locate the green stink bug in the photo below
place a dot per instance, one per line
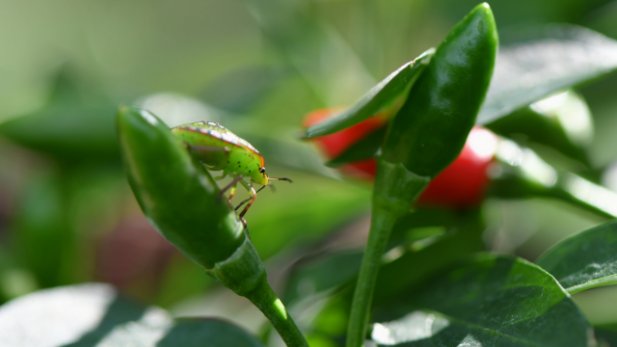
(221, 150)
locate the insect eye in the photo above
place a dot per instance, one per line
(262, 170)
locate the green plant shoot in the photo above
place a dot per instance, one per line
(219, 149)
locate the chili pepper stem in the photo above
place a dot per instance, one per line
(396, 189)
(381, 227)
(272, 307)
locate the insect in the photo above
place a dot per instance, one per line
(221, 150)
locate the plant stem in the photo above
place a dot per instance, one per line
(272, 307)
(395, 190)
(381, 226)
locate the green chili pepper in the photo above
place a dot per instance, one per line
(432, 126)
(426, 134)
(185, 204)
(181, 199)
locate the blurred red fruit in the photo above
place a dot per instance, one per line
(463, 183)
(334, 144)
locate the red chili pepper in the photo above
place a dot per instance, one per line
(462, 184)
(334, 144)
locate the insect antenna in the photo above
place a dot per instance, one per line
(286, 179)
(272, 187)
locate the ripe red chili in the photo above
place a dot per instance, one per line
(463, 183)
(334, 144)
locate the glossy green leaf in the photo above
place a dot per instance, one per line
(195, 332)
(521, 173)
(561, 122)
(586, 260)
(379, 97)
(488, 301)
(606, 336)
(94, 315)
(76, 123)
(328, 272)
(541, 61)
(413, 242)
(311, 279)
(462, 236)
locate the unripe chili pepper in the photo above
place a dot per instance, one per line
(178, 196)
(183, 201)
(432, 125)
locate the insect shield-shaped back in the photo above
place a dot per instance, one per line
(220, 149)
(183, 202)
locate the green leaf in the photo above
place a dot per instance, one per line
(488, 301)
(462, 236)
(76, 123)
(561, 121)
(311, 279)
(94, 315)
(436, 238)
(379, 97)
(606, 335)
(522, 173)
(586, 260)
(314, 276)
(542, 61)
(197, 332)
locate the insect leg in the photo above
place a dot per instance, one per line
(248, 199)
(250, 202)
(231, 186)
(232, 193)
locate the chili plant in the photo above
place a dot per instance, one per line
(433, 141)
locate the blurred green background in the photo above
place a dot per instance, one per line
(66, 212)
